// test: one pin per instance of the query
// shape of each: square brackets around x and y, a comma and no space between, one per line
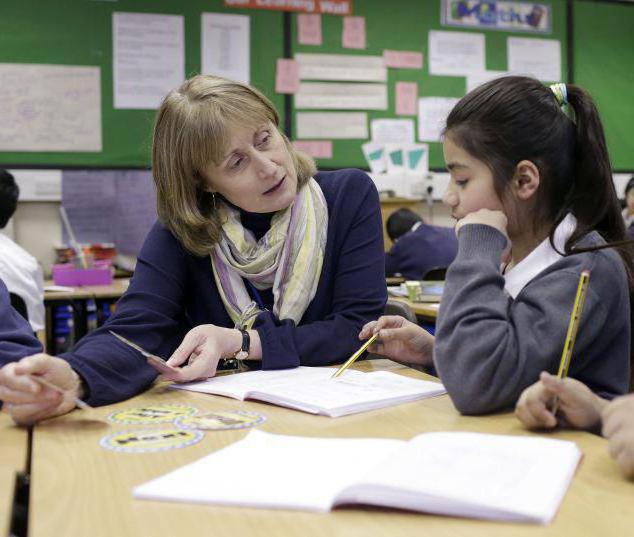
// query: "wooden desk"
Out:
[427,311]
[80,489]
[114,290]
[13,459]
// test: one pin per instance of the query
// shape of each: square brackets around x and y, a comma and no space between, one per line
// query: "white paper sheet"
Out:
[148,58]
[455,53]
[476,79]
[338,96]
[432,116]
[50,107]
[536,57]
[225,46]
[39,185]
[341,67]
[392,131]
[332,125]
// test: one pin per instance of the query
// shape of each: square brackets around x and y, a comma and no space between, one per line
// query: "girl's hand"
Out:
[578,406]
[618,427]
[28,401]
[400,340]
[203,346]
[487,217]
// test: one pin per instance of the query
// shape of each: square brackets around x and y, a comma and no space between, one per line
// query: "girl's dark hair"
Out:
[517,118]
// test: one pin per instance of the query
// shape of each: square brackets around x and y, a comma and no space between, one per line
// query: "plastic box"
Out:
[67,274]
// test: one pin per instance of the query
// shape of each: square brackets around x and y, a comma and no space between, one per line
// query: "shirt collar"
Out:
[415,226]
[540,258]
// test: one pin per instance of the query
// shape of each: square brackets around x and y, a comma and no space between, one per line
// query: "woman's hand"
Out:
[577,405]
[400,340]
[618,428]
[204,346]
[26,400]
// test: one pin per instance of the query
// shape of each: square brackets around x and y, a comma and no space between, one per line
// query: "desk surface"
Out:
[73,475]
[427,310]
[13,455]
[114,290]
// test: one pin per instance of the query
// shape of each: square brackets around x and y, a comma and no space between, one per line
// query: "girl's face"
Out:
[471,185]
[257,174]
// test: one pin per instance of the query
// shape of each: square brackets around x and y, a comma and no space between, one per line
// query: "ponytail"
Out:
[593,199]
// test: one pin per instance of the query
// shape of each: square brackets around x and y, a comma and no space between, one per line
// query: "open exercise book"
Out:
[510,478]
[311,389]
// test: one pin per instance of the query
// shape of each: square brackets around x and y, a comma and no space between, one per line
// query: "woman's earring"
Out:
[213,197]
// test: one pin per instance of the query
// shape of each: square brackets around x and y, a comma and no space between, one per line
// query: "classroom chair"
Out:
[19,305]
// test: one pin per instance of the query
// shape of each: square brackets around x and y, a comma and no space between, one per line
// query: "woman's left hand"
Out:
[618,428]
[203,346]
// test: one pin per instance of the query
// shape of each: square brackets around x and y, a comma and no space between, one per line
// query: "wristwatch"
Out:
[243,352]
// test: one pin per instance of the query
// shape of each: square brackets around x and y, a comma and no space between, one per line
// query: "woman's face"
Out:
[629,201]
[257,174]
[471,185]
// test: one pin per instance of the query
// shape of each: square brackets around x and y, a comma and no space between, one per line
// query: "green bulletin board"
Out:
[404,25]
[79,32]
[604,65]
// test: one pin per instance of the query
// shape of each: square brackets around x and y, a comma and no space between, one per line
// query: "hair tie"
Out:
[561,93]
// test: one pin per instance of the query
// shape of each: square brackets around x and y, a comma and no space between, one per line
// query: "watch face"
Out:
[242,355]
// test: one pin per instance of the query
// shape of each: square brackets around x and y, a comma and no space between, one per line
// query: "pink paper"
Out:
[403,59]
[309,29]
[315,148]
[406,97]
[287,76]
[353,32]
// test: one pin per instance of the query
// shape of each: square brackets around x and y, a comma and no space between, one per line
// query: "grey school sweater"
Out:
[489,347]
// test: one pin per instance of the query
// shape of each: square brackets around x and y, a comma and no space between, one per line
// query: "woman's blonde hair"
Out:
[192,131]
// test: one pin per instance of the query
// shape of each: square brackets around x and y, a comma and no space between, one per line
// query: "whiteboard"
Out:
[50,107]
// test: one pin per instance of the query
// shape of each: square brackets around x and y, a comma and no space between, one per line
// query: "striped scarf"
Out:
[287,258]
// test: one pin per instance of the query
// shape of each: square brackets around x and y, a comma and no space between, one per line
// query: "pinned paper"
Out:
[309,29]
[353,32]
[375,157]
[315,148]
[396,131]
[287,76]
[403,59]
[406,98]
[395,158]
[163,413]
[417,159]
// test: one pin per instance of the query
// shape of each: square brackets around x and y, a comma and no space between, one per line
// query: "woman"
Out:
[244,219]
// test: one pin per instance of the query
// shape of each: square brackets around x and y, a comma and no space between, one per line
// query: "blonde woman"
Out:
[255,255]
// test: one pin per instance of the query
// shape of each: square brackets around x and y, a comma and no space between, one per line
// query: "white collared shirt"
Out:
[540,258]
[22,275]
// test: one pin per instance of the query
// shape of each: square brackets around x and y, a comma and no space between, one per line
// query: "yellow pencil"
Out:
[352,359]
[573,326]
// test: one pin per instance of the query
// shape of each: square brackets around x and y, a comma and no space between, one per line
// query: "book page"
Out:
[349,393]
[272,471]
[476,475]
[239,385]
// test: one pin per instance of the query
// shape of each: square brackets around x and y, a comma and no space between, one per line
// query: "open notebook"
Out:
[510,478]
[311,389]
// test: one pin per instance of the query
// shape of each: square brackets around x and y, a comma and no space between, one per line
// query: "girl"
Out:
[531,189]
[256,255]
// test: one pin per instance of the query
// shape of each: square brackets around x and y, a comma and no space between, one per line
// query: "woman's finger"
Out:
[185,349]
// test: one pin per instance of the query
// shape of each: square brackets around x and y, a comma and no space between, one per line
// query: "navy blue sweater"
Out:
[173,290]
[16,336]
[425,248]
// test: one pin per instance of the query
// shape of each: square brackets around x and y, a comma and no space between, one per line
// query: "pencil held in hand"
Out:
[40,380]
[356,355]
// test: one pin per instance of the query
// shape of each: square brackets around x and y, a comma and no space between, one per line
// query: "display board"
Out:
[79,33]
[604,65]
[405,25]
